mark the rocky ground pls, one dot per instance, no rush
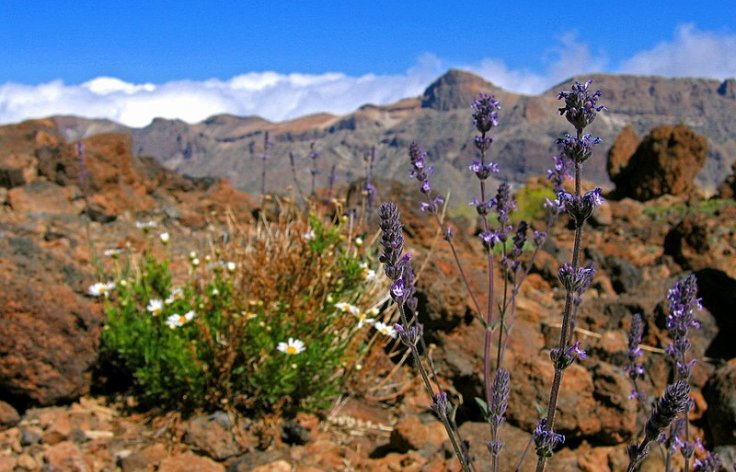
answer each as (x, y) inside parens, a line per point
(58, 215)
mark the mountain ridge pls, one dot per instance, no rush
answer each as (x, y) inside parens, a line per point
(228, 146)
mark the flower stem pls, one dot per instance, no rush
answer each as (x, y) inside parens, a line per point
(568, 321)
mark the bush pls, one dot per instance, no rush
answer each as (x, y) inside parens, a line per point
(268, 321)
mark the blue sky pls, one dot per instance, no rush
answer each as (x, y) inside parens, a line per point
(133, 60)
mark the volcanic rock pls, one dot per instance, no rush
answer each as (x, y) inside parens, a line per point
(621, 151)
(720, 392)
(665, 162)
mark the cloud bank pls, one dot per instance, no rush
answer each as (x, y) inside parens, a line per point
(276, 96)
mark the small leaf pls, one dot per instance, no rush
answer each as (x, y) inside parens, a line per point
(483, 405)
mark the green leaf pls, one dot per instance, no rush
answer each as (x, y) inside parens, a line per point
(483, 405)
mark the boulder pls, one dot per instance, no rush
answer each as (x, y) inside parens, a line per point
(665, 162)
(720, 393)
(621, 151)
(49, 334)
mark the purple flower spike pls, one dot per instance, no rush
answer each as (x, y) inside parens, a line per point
(683, 301)
(489, 239)
(485, 112)
(500, 398)
(440, 404)
(483, 170)
(578, 150)
(576, 280)
(580, 105)
(634, 368)
(546, 441)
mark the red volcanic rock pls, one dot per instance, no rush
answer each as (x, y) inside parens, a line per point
(720, 393)
(48, 333)
(188, 462)
(701, 241)
(666, 162)
(8, 416)
(620, 153)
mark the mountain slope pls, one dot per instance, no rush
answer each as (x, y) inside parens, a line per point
(439, 120)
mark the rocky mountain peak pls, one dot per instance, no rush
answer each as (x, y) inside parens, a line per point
(455, 89)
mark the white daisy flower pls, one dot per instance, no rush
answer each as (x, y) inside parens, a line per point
(292, 347)
(155, 306)
(385, 329)
(113, 252)
(363, 319)
(230, 266)
(176, 294)
(176, 320)
(309, 235)
(358, 241)
(195, 262)
(164, 237)
(347, 308)
(100, 289)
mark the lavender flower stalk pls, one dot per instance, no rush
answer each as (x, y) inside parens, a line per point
(634, 368)
(368, 188)
(580, 110)
(292, 164)
(264, 158)
(497, 410)
(398, 269)
(683, 302)
(674, 401)
(314, 170)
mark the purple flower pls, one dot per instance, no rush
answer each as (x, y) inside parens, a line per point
(418, 156)
(539, 238)
(561, 171)
(489, 239)
(576, 280)
(410, 336)
(397, 267)
(440, 404)
(433, 206)
(709, 463)
(683, 302)
(580, 105)
(483, 170)
(546, 441)
(499, 398)
(483, 143)
(485, 112)
(673, 401)
(563, 358)
(578, 150)
(580, 207)
(634, 368)
(482, 207)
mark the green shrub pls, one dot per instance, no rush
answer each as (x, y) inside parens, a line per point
(268, 321)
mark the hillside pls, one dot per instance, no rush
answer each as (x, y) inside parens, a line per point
(229, 146)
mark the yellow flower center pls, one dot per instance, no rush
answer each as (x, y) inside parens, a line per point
(291, 350)
(182, 319)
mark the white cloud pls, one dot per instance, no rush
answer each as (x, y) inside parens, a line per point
(567, 59)
(691, 53)
(277, 96)
(268, 94)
